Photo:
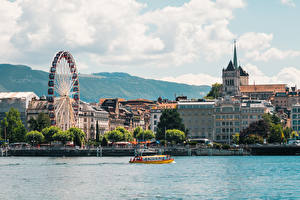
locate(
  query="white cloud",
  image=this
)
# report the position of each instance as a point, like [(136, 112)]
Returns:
[(290, 3), (257, 46), (194, 79), (287, 75), (113, 32)]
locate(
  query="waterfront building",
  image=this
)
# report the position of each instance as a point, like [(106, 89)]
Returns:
[(283, 101), (227, 114), (89, 116), (198, 118), (156, 111), (17, 100), (37, 106), (219, 120), (295, 117)]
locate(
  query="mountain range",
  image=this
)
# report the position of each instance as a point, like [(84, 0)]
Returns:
[(21, 78)]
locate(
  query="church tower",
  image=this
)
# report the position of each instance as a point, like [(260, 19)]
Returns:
[(233, 77)]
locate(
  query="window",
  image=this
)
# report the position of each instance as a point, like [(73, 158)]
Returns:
[(85, 119), (155, 116)]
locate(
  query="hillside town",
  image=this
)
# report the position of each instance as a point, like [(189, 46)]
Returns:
[(237, 105)]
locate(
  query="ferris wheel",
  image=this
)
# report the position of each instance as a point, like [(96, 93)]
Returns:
[(63, 91)]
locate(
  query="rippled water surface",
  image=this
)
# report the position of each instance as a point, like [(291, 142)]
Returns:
[(114, 178)]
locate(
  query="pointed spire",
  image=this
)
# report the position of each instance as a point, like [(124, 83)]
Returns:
[(235, 64)]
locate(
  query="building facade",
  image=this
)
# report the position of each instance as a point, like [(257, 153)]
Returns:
[(17, 100), (89, 117), (220, 120), (295, 117), (198, 118)]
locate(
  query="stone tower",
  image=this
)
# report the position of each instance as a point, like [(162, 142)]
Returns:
[(233, 77)]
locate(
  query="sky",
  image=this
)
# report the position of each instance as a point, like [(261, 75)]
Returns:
[(185, 41)]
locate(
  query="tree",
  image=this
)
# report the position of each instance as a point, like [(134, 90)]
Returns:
[(32, 124), (253, 139), (42, 121), (78, 136), (97, 132), (12, 124), (4, 125), (63, 136), (236, 138), (276, 134), (136, 131), (114, 136), (49, 132), (34, 137), (127, 136), (287, 132), (175, 135), (104, 142), (145, 135), (294, 134), (215, 91), (169, 119)]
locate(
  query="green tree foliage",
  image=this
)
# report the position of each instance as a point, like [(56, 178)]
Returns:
[(13, 126), (97, 132), (145, 135), (63, 136), (104, 142), (175, 135), (169, 119), (269, 127), (253, 139), (215, 91), (136, 131), (34, 137), (40, 123), (287, 132), (294, 134), (114, 136), (78, 136), (49, 132), (236, 138), (260, 128), (276, 134), (4, 125), (127, 136)]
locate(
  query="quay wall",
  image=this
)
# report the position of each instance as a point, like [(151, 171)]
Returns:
[(124, 152)]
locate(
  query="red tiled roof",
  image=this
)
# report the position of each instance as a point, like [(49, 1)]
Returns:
[(263, 88)]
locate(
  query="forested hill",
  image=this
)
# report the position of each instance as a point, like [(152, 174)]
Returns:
[(20, 78)]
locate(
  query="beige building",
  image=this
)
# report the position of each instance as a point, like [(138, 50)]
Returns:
[(89, 116), (198, 118), (221, 119)]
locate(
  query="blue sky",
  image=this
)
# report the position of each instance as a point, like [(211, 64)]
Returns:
[(187, 41)]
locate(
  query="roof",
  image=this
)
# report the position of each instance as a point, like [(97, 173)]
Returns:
[(263, 88), (243, 72), (10, 95), (230, 67)]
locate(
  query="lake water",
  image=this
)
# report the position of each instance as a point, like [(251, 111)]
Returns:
[(248, 177)]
